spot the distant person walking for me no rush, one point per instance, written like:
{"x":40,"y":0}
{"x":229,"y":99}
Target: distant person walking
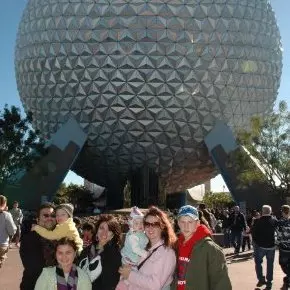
{"x":17,"y":216}
{"x":263,"y":233}
{"x":237,"y":223}
{"x":246,"y":237}
{"x":7,"y":229}
{"x":226,"y":228}
{"x":283,"y":237}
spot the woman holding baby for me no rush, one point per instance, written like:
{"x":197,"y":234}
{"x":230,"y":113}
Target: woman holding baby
{"x":154,"y":271}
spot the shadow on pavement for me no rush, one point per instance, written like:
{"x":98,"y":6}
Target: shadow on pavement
{"x":243,"y":257}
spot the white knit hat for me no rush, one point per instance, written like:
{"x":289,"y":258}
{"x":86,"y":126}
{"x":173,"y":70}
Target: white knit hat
{"x":136,"y":213}
{"x":67,"y":207}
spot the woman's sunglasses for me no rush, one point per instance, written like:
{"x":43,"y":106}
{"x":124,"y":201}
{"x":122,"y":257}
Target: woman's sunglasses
{"x":153,"y":225}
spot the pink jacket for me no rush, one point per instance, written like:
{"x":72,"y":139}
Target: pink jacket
{"x":156,"y":272}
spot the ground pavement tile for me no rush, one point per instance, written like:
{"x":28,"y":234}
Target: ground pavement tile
{"x":241,"y":270}
{"x":11,"y":271}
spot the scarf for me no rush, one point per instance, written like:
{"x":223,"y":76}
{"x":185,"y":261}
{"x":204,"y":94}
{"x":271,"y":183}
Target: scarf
{"x":72,"y":280}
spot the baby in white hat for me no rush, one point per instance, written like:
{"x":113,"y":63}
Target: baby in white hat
{"x":65,"y":226}
{"x":136,"y":240}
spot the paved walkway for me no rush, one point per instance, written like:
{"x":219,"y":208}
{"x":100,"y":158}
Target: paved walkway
{"x":11,"y":271}
{"x":241,"y":269}
{"x":243,"y":275}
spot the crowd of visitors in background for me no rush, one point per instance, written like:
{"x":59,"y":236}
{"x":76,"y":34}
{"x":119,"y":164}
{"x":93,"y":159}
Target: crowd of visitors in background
{"x":154,"y":249}
{"x":262,"y":232}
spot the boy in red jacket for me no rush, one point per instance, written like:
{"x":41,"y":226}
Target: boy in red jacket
{"x":201,"y":263}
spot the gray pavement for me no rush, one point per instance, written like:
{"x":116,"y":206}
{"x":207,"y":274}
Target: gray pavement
{"x":11,"y":271}
{"x":241,"y":269}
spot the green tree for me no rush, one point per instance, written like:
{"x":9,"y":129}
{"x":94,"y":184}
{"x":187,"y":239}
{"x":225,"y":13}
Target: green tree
{"x":61,"y":195}
{"x":218,"y":199}
{"x":20,"y":146}
{"x":79,"y":196}
{"x":268,"y":142}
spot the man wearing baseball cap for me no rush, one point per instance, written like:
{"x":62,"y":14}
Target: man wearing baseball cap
{"x":201,"y":263}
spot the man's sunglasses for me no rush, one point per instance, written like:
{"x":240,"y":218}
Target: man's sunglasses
{"x":153,"y":225}
{"x":46,"y":215}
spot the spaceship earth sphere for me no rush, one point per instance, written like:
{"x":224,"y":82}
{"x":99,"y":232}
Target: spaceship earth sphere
{"x":147,"y":80}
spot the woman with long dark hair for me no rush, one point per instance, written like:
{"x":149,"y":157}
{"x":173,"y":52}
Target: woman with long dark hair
{"x":102,"y":259}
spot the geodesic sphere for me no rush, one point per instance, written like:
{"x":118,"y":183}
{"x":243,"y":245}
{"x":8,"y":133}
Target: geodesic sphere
{"x":147,"y":80}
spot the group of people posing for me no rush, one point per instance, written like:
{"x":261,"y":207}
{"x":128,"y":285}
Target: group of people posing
{"x":149,"y":256}
{"x":56,"y":255}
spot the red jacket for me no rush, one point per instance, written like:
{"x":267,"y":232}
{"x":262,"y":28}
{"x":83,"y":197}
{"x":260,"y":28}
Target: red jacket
{"x":184,"y":253}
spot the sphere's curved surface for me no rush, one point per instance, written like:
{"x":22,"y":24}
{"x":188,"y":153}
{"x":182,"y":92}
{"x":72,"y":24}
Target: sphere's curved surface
{"x":147,"y":79}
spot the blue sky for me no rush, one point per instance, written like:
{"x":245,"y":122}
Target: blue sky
{"x":10,"y":15}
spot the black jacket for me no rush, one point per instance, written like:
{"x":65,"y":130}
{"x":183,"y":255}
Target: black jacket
{"x":263,"y":231}
{"x":33,"y":249}
{"x":239,"y":224}
{"x":283,"y":234}
{"x":225,"y":222}
{"x":111,"y":261}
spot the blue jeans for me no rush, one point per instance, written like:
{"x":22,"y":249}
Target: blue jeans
{"x":259,"y":254}
{"x":236,"y":240}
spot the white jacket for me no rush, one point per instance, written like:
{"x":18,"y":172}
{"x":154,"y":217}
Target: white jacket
{"x":47,"y":280}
